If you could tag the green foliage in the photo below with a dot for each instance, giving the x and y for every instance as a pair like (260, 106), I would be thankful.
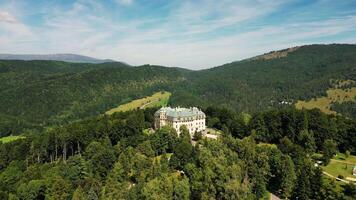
(346, 108)
(329, 150)
(58, 188)
(167, 187)
(347, 154)
(307, 141)
(41, 94)
(331, 190)
(182, 152)
(350, 190)
(101, 156)
(79, 194)
(288, 177)
(110, 157)
(34, 190)
(9, 178)
(197, 136)
(164, 140)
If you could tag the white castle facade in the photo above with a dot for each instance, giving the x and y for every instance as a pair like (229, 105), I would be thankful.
(193, 118)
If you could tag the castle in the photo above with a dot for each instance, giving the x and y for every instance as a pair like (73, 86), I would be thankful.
(193, 118)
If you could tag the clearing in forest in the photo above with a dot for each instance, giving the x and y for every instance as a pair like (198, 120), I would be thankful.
(334, 95)
(156, 100)
(11, 138)
(340, 165)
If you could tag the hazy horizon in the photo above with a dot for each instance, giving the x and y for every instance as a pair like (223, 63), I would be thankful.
(122, 61)
(188, 34)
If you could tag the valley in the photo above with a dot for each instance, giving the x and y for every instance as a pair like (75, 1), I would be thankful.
(87, 131)
(177, 100)
(39, 94)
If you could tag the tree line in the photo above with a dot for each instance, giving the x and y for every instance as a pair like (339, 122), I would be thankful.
(112, 157)
(40, 94)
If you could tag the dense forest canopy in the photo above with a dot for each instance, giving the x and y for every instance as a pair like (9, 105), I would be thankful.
(111, 157)
(41, 94)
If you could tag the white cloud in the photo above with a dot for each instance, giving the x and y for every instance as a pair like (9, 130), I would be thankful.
(209, 53)
(186, 37)
(13, 33)
(7, 17)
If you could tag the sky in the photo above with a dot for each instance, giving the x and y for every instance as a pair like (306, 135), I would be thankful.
(192, 34)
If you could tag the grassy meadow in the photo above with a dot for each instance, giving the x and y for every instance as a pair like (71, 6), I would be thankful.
(340, 165)
(156, 100)
(324, 103)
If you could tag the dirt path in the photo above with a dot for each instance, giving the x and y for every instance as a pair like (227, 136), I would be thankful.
(345, 162)
(339, 179)
(146, 104)
(274, 197)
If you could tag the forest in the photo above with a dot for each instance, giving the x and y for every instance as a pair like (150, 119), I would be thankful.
(40, 95)
(112, 157)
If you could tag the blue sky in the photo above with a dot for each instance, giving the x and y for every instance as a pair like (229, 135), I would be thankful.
(192, 34)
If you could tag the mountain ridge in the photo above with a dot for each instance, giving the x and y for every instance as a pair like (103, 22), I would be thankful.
(65, 57)
(47, 93)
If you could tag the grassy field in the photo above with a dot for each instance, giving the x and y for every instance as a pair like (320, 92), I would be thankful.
(333, 95)
(340, 165)
(342, 157)
(11, 138)
(156, 100)
(335, 168)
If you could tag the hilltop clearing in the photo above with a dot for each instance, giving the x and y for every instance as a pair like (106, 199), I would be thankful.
(158, 99)
(340, 93)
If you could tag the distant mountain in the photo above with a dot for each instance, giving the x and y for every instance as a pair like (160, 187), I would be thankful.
(47, 93)
(74, 58)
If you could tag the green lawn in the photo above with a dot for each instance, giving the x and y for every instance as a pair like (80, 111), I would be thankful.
(342, 157)
(324, 103)
(156, 100)
(11, 138)
(336, 167)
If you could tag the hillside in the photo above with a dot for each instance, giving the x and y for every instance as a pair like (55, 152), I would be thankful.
(111, 157)
(343, 93)
(45, 93)
(38, 94)
(253, 85)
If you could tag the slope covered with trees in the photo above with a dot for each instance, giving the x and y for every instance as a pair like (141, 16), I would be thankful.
(40, 94)
(110, 157)
(257, 84)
